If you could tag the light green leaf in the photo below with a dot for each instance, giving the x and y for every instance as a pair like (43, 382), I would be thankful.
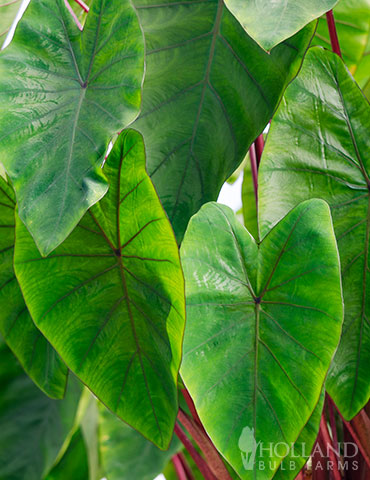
(352, 21)
(33, 427)
(111, 297)
(73, 464)
(63, 95)
(126, 455)
(8, 12)
(209, 91)
(301, 450)
(263, 322)
(318, 146)
(362, 74)
(269, 23)
(249, 200)
(34, 352)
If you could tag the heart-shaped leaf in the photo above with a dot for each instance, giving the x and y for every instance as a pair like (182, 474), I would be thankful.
(269, 23)
(209, 91)
(34, 429)
(125, 454)
(111, 297)
(8, 12)
(63, 94)
(34, 352)
(263, 322)
(319, 140)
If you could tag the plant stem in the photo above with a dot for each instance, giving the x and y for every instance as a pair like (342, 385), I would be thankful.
(73, 15)
(82, 5)
(333, 424)
(327, 441)
(199, 461)
(254, 168)
(205, 444)
(355, 438)
(186, 466)
(191, 406)
(333, 33)
(259, 146)
(180, 471)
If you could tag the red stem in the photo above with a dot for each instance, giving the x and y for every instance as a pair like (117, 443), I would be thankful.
(199, 461)
(191, 406)
(355, 438)
(205, 444)
(82, 5)
(186, 466)
(259, 145)
(180, 471)
(327, 441)
(254, 168)
(333, 424)
(333, 33)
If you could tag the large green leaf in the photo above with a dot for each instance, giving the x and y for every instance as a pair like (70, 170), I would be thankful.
(34, 352)
(269, 23)
(111, 297)
(126, 455)
(209, 91)
(263, 322)
(33, 428)
(318, 146)
(352, 19)
(63, 95)
(8, 12)
(362, 74)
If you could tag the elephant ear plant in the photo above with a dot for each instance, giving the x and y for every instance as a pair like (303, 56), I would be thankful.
(145, 328)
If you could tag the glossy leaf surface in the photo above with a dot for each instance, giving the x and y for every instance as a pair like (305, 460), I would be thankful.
(111, 297)
(126, 455)
(262, 326)
(318, 146)
(34, 352)
(352, 21)
(8, 12)
(33, 427)
(209, 91)
(269, 23)
(63, 95)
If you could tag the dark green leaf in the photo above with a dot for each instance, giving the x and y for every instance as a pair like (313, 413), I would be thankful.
(73, 464)
(33, 428)
(263, 322)
(126, 455)
(209, 90)
(319, 146)
(269, 23)
(34, 352)
(111, 298)
(63, 95)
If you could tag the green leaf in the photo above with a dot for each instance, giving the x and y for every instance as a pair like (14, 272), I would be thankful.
(301, 450)
(111, 297)
(126, 455)
(63, 95)
(8, 12)
(352, 20)
(269, 23)
(209, 91)
(249, 200)
(362, 74)
(318, 146)
(33, 427)
(73, 464)
(34, 352)
(263, 322)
